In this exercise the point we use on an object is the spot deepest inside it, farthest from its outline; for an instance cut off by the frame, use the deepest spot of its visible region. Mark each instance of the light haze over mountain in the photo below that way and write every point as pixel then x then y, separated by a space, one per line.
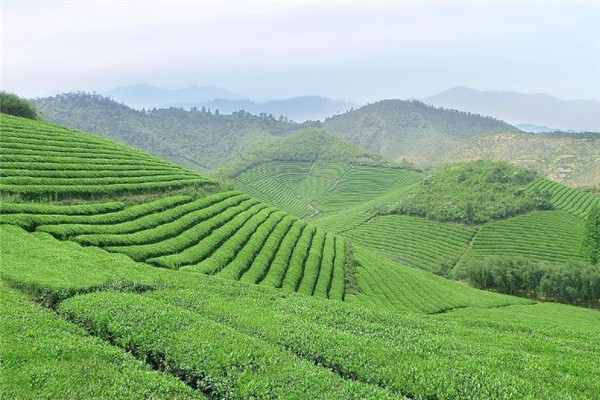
pixel 523 109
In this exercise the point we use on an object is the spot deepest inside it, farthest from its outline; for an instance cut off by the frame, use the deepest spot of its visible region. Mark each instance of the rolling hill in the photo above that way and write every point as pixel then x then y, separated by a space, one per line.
pixel 519 108
pixel 411 130
pixel 399 130
pixel 156 296
pixel 196 140
pixel 565 157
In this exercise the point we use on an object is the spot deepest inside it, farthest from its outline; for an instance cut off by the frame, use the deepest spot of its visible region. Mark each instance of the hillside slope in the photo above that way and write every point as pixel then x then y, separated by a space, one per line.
pixel 411 130
pixel 40 160
pixel 196 139
pixel 570 158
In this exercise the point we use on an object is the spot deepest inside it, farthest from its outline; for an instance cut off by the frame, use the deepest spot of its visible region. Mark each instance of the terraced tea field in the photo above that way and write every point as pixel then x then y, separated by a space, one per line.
pixel 413 241
pixel 40 160
pixel 540 235
pixel 227 234
pixel 574 201
pixel 219 337
pixel 215 294
pixel 308 189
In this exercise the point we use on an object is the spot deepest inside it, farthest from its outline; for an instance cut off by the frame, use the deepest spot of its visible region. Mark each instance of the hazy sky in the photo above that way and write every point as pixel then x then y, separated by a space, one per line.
pixel 351 50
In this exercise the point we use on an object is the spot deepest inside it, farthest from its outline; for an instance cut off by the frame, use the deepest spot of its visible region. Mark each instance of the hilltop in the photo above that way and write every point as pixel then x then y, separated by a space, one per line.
pixel 299 109
pixel 411 130
pixel 564 157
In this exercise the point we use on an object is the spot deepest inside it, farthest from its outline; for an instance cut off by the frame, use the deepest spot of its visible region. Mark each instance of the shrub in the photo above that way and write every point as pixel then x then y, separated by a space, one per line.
pixel 15 105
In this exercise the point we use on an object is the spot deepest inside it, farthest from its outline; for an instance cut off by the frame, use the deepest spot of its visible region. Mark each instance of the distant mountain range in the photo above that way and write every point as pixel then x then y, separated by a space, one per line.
pixel 147 96
pixel 298 109
pixel 517 108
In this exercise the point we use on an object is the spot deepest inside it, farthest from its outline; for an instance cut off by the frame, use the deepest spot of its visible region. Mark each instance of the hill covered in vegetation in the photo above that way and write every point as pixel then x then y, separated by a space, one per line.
pixel 202 139
pixel 215 294
pixel 472 192
pixel 411 130
pixel 197 139
pixel 565 157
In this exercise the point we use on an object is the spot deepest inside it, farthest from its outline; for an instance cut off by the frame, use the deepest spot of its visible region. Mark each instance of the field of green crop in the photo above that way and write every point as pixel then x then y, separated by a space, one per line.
pixel 308 189
pixel 44 161
pixel 539 235
pixel 414 241
pixel 195 294
pixel 128 329
pixel 574 201
pixel 228 234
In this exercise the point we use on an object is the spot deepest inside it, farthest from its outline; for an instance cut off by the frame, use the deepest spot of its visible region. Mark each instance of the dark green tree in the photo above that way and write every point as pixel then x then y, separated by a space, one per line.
pixel 15 105
pixel 591 236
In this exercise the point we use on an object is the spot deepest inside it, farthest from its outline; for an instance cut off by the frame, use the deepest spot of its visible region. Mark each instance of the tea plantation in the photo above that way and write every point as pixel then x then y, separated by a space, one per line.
pixel 124 276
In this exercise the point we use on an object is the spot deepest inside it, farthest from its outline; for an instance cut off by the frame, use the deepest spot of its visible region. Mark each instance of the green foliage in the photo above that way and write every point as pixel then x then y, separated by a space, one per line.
pixel 573 282
pixel 306 146
pixel 539 235
pixel 12 104
pixel 385 284
pixel 196 139
pixel 417 242
pixel 446 356
pixel 45 357
pixel 591 236
pixel 474 192
pixel 231 339
pixel 240 367
pixel 43 161
pixel 308 190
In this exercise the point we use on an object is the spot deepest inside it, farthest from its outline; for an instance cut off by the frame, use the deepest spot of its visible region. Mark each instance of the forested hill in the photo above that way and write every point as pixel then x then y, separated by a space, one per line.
pixel 198 139
pixel 411 129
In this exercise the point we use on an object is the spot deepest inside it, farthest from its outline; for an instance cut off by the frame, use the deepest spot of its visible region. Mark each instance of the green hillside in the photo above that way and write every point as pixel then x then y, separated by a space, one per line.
pixel 215 294
pixel 411 130
pixel 573 159
pixel 187 335
pixel 472 192
pixel 197 139
pixel 40 160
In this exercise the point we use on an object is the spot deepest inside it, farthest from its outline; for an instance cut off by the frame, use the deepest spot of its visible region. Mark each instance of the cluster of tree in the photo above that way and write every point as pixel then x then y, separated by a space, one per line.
pixel 472 192
pixel 15 105
pixel 572 282
pixel 591 236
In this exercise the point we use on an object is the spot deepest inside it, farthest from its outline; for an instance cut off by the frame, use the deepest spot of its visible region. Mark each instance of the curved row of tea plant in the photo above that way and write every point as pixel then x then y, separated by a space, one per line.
pixel 414 241
pixel 228 233
pixel 40 160
pixel 226 338
pixel 304 188
pixel 574 201
pixel 539 235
